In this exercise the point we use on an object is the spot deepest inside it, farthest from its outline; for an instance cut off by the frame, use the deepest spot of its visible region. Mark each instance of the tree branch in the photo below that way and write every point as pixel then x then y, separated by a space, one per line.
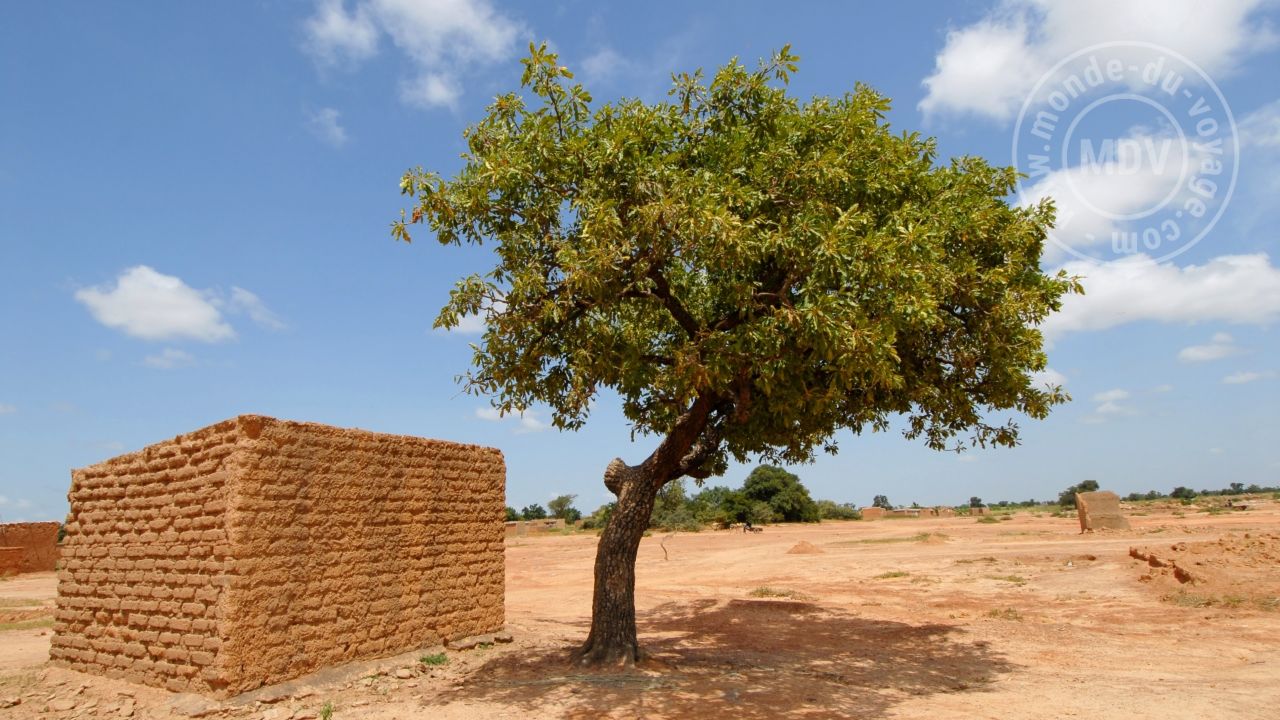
pixel 662 290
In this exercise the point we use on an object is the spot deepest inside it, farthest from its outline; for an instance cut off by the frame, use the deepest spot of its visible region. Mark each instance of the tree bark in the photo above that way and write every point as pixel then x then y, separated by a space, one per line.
pixel 613 639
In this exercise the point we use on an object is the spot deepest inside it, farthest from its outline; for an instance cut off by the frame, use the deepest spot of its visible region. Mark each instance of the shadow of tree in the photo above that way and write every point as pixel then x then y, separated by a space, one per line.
pixel 745 659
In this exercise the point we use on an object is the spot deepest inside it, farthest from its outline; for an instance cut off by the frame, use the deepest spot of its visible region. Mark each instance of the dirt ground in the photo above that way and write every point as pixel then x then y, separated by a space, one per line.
pixel 929 618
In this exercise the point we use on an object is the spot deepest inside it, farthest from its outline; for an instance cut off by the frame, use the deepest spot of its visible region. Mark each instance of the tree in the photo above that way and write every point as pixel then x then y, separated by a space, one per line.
pixel 785 495
pixel 831 510
pixel 512 514
pixel 1067 498
pixel 562 507
pixel 671 509
pixel 975 502
pixel 747 271
pixel 881 501
pixel 1183 493
pixel 533 512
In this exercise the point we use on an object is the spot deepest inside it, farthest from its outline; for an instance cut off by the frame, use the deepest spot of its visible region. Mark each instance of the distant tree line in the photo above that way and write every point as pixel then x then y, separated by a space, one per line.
pixel 771 494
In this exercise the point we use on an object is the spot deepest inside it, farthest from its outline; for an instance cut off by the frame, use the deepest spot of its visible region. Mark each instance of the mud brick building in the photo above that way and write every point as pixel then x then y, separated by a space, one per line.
pixel 258 550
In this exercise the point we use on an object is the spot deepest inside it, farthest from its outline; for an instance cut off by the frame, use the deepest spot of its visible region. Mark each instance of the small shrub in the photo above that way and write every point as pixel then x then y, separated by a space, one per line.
pixel 892 574
pixel 326 711
pixel 1004 614
pixel 769 592
pixel 987 519
pixel 436 659
pixel 1015 579
pixel 966 561
pixel 1005 517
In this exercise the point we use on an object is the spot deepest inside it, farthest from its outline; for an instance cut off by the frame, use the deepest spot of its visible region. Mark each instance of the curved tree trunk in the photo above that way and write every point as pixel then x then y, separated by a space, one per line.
pixel 613 608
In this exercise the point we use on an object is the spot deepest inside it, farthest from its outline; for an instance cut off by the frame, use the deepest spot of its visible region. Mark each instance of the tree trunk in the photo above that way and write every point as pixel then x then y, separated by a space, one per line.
pixel 613 608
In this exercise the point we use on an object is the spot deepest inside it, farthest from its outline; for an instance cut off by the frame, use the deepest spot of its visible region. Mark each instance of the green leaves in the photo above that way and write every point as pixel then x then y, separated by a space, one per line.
pixel 798 265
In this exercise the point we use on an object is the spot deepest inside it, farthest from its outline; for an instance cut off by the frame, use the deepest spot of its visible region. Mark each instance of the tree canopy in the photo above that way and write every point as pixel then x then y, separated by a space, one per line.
pixel 795 265
pixel 783 492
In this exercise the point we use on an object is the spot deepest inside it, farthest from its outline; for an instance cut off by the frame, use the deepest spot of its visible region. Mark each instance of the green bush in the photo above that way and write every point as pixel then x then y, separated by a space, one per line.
pixel 831 510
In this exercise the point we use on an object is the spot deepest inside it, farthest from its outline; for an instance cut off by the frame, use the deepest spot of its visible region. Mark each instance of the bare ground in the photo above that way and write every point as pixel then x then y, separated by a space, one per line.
pixel 938 618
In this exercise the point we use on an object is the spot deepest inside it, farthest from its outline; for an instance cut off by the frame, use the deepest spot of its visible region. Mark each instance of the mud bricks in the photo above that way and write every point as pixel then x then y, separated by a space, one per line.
pixel 38 541
pixel 258 550
pixel 1100 511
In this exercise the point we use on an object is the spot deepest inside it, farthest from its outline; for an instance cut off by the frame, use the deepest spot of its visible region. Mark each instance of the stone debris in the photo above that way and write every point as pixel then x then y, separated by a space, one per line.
pixel 194 706
pixel 470 643
pixel 503 637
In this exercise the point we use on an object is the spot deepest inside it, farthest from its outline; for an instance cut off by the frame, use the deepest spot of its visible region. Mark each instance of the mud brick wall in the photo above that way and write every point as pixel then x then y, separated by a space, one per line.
pixel 315 546
pixel 10 561
pixel 39 543
pixel 145 561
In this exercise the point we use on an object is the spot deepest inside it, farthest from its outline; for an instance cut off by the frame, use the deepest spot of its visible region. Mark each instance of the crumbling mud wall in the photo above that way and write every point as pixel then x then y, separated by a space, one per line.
pixel 336 545
pixel 39 543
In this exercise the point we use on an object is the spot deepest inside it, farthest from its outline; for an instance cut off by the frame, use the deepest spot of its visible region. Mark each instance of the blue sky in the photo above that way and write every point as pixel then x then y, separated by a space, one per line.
pixel 195 199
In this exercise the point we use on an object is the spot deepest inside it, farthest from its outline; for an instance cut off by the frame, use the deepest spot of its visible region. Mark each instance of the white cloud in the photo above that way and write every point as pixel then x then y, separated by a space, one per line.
pixel 442 38
pixel 1109 404
pixel 1241 378
pixel 984 69
pixel 1162 389
pixel 469 325
pixel 1220 346
pixel 603 65
pixel 1145 171
pixel 324 124
pixel 334 35
pixel 153 306
pixel 1261 128
pixel 168 359
pixel 6 409
pixel 1238 289
pixel 527 421
pixel 988 68
pixel 431 90
pixel 1048 379
pixel 243 301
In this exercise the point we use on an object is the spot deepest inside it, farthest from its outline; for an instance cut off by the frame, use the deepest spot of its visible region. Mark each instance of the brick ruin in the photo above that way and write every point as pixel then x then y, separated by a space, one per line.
pixel 38 542
pixel 1100 511
pixel 10 560
pixel 258 550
